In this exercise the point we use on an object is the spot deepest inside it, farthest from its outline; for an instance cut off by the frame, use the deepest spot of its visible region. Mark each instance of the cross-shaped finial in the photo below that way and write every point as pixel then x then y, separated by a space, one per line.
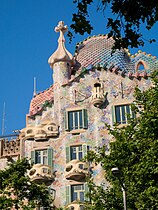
pixel 61 27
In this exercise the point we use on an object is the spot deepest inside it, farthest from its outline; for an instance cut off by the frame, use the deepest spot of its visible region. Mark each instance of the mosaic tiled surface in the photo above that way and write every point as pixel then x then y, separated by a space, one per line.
pixel 117 89
pixel 97 50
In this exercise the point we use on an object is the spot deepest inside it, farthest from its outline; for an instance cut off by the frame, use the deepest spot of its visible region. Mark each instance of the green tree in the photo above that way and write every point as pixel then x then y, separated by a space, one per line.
pixel 135 153
pixel 125 23
pixel 16 189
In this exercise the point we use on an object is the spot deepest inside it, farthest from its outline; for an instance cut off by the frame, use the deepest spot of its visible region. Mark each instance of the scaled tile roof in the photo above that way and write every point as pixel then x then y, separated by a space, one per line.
pixel 39 101
pixel 97 50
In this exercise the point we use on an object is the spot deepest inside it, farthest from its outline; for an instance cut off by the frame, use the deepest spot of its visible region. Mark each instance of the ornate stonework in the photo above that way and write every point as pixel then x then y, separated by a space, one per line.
pixel 40 132
pixel 76 170
pixel 40 173
pixel 10 148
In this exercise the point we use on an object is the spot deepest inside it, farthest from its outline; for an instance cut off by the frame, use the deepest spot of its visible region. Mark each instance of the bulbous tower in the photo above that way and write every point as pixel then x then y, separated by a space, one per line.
pixel 61 60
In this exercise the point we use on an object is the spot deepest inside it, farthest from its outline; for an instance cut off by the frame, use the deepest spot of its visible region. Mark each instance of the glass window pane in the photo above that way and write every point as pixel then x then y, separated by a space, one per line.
pixel 74 196
pixel 117 113
pixel 128 112
pixel 37 157
pixel 70 119
pixel 123 114
pixel 45 152
pixel 74 149
pixel 80 119
pixel 127 109
pixel 80 156
pixel 80 148
pixel 73 153
pixel 81 196
pixel 45 160
pixel 73 193
pixel 76 120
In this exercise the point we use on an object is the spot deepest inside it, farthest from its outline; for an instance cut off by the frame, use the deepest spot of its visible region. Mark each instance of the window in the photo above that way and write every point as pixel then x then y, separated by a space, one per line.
pixel 75 120
pixel 141 65
pixel 76 152
pixel 44 156
pixel 122 113
pixel 76 192
pixel 41 156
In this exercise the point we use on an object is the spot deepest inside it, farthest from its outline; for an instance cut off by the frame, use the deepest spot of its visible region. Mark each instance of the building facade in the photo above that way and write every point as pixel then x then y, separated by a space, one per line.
pixel 91 89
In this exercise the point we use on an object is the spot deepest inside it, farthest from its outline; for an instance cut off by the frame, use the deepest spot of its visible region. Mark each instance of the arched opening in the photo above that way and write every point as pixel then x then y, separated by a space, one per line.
pixel 141 66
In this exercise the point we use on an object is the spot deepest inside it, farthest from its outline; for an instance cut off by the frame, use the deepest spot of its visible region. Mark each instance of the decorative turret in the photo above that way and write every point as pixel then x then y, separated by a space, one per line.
pixel 61 60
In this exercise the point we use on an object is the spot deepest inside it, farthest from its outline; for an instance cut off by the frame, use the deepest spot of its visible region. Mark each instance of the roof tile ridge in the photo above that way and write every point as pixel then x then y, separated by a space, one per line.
pixel 43 91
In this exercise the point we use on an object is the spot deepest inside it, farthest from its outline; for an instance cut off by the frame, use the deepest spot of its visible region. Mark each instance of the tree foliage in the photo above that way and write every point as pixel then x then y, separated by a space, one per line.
pixel 134 152
pixel 125 23
pixel 17 191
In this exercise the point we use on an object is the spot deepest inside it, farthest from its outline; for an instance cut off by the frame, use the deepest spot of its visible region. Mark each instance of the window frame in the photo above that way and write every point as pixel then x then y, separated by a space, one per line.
pixel 78 152
pixel 69 192
pixel 77 192
pixel 40 154
pixel 122 112
pixel 85 148
pixel 50 160
pixel 76 119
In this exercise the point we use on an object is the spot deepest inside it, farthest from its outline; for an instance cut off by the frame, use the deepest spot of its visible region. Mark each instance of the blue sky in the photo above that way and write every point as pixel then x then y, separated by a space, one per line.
pixel 27 39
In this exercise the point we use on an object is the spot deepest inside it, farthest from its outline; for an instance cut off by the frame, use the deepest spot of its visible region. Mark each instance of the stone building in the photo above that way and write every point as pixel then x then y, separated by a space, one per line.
pixel 90 89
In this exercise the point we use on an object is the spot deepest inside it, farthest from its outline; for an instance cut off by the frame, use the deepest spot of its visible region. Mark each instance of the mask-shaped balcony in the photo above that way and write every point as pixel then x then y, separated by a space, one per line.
pixel 40 132
pixel 76 170
pixel 40 173
pixel 75 206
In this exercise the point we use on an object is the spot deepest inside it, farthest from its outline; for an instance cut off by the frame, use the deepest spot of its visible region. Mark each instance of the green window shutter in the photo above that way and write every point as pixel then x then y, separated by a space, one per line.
pixel 50 156
pixel 68 194
pixel 49 189
pixel 68 154
pixel 86 192
pixel 66 121
pixel 85 118
pixel 133 115
pixel 84 149
pixel 32 157
pixel 113 115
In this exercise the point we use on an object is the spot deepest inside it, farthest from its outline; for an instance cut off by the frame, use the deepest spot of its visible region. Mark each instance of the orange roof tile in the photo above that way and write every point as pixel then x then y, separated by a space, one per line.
pixel 37 103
